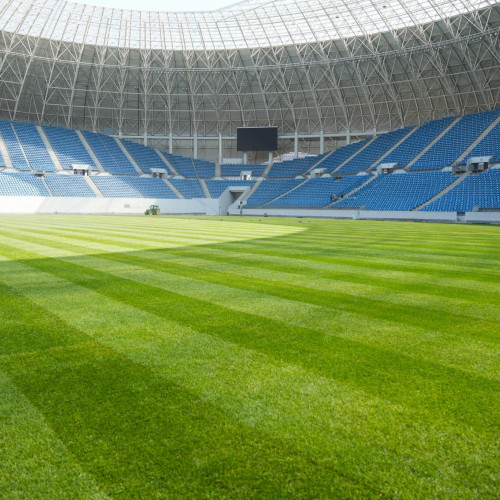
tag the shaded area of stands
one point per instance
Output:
(398, 191)
(341, 155)
(318, 192)
(475, 191)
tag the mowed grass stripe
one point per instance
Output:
(455, 394)
(34, 463)
(360, 325)
(406, 305)
(379, 267)
(269, 395)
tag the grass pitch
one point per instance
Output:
(248, 358)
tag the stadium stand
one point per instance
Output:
(189, 188)
(317, 192)
(151, 187)
(476, 191)
(234, 170)
(68, 147)
(368, 156)
(398, 191)
(342, 154)
(270, 189)
(147, 158)
(34, 148)
(116, 187)
(13, 147)
(454, 142)
(420, 139)
(184, 166)
(204, 169)
(109, 154)
(22, 184)
(488, 146)
(69, 185)
(216, 188)
(291, 168)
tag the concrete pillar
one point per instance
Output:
(195, 146)
(348, 137)
(296, 145)
(270, 158)
(321, 142)
(145, 138)
(245, 158)
(170, 143)
(220, 150)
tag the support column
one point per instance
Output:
(296, 145)
(321, 142)
(195, 146)
(245, 158)
(220, 150)
(145, 138)
(270, 158)
(170, 143)
(348, 137)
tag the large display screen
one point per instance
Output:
(257, 138)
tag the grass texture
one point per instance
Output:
(176, 357)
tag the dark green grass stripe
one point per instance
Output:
(251, 387)
(429, 387)
(492, 275)
(141, 436)
(25, 326)
(418, 316)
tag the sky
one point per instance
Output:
(165, 5)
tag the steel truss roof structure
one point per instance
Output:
(305, 66)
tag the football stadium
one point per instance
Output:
(250, 250)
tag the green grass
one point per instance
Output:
(176, 357)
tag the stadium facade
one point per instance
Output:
(325, 73)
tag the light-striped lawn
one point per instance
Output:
(176, 357)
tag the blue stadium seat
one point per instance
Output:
(22, 184)
(270, 189)
(189, 188)
(69, 185)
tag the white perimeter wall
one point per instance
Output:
(478, 217)
(61, 205)
(210, 206)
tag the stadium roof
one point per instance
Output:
(246, 24)
(305, 66)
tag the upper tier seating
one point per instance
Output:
(146, 157)
(398, 191)
(109, 154)
(447, 149)
(234, 170)
(216, 188)
(69, 185)
(189, 188)
(68, 147)
(204, 169)
(476, 190)
(373, 152)
(22, 184)
(292, 168)
(317, 192)
(341, 155)
(34, 147)
(183, 166)
(270, 189)
(488, 146)
(133, 187)
(417, 141)
(13, 147)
